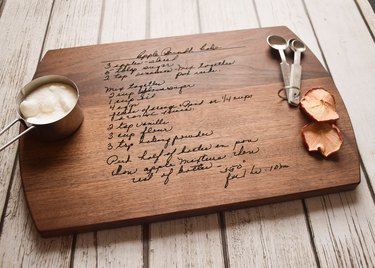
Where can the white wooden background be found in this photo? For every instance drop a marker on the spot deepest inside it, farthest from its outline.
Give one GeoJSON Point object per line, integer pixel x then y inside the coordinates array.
{"type": "Point", "coordinates": [336, 230]}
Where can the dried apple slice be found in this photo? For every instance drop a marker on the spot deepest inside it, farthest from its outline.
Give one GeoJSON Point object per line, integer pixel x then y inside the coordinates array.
{"type": "Point", "coordinates": [323, 137]}
{"type": "Point", "coordinates": [320, 105]}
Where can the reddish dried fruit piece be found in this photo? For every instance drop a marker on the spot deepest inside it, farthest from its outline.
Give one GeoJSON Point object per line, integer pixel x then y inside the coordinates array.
{"type": "Point", "coordinates": [323, 137]}
{"type": "Point", "coordinates": [320, 105]}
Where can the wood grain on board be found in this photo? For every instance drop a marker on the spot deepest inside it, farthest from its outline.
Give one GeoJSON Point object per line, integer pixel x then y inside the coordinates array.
{"type": "Point", "coordinates": [200, 129]}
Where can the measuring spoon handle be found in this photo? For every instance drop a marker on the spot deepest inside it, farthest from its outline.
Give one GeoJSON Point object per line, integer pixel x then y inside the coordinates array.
{"type": "Point", "coordinates": [285, 71]}
{"type": "Point", "coordinates": [295, 84]}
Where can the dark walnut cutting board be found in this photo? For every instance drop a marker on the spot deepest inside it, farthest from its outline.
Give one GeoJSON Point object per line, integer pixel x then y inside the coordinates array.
{"type": "Point", "coordinates": [175, 127]}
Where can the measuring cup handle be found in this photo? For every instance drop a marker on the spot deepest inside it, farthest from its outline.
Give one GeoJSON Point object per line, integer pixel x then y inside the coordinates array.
{"type": "Point", "coordinates": [17, 137]}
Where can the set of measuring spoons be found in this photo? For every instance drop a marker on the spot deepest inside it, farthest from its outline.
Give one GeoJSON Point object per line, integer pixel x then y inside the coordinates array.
{"type": "Point", "coordinates": [291, 75]}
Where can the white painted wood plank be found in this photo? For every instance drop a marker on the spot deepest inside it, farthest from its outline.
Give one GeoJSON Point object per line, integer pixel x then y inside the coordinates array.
{"type": "Point", "coordinates": [85, 253]}
{"type": "Point", "coordinates": [269, 236]}
{"type": "Point", "coordinates": [350, 52]}
{"type": "Point", "coordinates": [76, 23]}
{"type": "Point", "coordinates": [337, 229]}
{"type": "Point", "coordinates": [122, 247]}
{"type": "Point", "coordinates": [62, 32]}
{"type": "Point", "coordinates": [73, 23]}
{"type": "Point", "coordinates": [172, 18]}
{"type": "Point", "coordinates": [123, 20]}
{"type": "Point", "coordinates": [189, 242]}
{"type": "Point", "coordinates": [221, 15]}
{"type": "Point", "coordinates": [21, 42]}
{"type": "Point", "coordinates": [20, 243]}
{"type": "Point", "coordinates": [343, 226]}
{"type": "Point", "coordinates": [368, 13]}
{"type": "Point", "coordinates": [196, 241]}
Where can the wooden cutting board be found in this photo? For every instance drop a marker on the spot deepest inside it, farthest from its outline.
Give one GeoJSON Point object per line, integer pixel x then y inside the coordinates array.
{"type": "Point", "coordinates": [179, 126]}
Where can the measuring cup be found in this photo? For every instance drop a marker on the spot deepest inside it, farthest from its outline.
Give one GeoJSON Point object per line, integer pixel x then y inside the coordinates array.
{"type": "Point", "coordinates": [54, 130]}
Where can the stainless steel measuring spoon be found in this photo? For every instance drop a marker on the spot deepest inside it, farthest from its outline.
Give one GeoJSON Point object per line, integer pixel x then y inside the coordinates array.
{"type": "Point", "coordinates": [55, 130]}
{"type": "Point", "coordinates": [280, 44]}
{"type": "Point", "coordinates": [298, 48]}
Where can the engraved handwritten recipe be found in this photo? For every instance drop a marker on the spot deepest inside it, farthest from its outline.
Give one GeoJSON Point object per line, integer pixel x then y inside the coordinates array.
{"type": "Point", "coordinates": [151, 102]}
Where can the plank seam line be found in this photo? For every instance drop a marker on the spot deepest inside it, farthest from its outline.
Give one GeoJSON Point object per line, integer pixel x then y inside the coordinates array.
{"type": "Point", "coordinates": [96, 249]}
{"type": "Point", "coordinates": [3, 214]}
{"type": "Point", "coordinates": [101, 22]}
{"type": "Point", "coordinates": [367, 178]}
{"type": "Point", "coordinates": [2, 5]}
{"type": "Point", "coordinates": [224, 239]}
{"type": "Point", "coordinates": [364, 20]}
{"type": "Point", "coordinates": [199, 17]}
{"type": "Point", "coordinates": [311, 232]}
{"type": "Point", "coordinates": [148, 19]}
{"type": "Point", "coordinates": [72, 250]}
{"type": "Point", "coordinates": [256, 13]}
{"type": "Point", "coordinates": [146, 245]}
{"type": "Point", "coordinates": [46, 32]}
{"type": "Point", "coordinates": [316, 37]}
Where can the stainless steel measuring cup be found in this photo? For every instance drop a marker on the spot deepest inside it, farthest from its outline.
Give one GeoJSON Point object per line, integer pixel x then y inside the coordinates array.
{"type": "Point", "coordinates": [55, 130]}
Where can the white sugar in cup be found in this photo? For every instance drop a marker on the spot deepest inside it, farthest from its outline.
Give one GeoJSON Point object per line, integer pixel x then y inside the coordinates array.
{"type": "Point", "coordinates": [50, 105]}
{"type": "Point", "coordinates": [49, 108]}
